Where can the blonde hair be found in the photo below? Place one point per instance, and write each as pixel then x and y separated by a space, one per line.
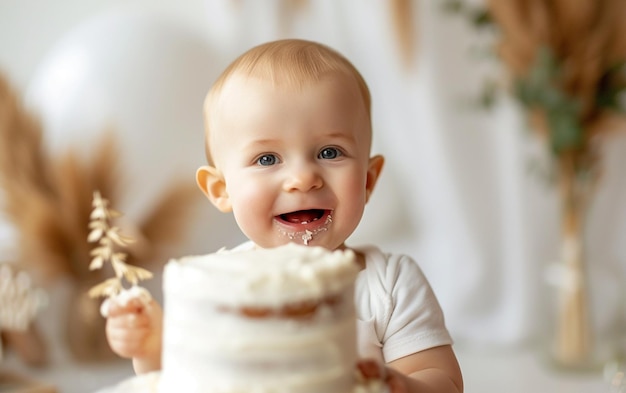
pixel 293 63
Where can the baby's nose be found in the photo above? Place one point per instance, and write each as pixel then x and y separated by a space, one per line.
pixel 303 178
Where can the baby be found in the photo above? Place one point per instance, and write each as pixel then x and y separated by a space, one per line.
pixel 288 138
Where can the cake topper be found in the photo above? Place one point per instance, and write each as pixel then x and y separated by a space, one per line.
pixel 110 240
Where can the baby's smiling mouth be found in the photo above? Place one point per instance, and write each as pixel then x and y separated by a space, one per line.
pixel 304 224
pixel 303 216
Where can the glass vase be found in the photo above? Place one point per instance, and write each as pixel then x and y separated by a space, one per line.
pixel 586 302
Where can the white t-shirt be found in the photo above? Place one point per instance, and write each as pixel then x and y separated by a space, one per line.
pixel 398 313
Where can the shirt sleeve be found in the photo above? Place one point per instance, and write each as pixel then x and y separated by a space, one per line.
pixel 409 318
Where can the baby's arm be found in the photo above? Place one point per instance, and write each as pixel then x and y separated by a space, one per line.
pixel 134 331
pixel 433 370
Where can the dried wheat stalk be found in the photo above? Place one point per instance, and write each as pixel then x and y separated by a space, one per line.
pixel 108 237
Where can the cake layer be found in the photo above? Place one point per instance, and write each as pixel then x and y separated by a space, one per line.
pixel 235 352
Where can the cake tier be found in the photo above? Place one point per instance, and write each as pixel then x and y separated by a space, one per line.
pixel 263 321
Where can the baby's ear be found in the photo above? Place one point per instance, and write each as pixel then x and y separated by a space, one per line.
pixel 373 172
pixel 212 183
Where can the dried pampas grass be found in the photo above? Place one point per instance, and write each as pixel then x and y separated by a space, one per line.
pixel 578 48
pixel 402 13
pixel 566 64
pixel 48 201
pixel 164 226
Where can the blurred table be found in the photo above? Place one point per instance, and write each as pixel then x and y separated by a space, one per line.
pixel 66 377
pixel 484 371
pixel 11 382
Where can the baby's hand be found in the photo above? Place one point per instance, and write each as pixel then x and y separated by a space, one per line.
pixel 133 330
pixel 372 370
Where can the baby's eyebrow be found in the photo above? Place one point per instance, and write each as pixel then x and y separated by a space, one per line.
pixel 340 135
pixel 259 143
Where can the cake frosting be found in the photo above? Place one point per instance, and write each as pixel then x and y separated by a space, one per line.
pixel 265 320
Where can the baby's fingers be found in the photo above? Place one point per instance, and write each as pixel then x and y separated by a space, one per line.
pixel 128 321
pixel 127 342
pixel 132 300
pixel 371 369
pixel 112 308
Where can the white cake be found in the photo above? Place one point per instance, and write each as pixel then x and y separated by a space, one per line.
pixel 273 320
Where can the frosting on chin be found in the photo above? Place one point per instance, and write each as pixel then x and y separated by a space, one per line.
pixel 306 235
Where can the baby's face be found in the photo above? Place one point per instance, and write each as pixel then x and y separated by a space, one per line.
pixel 295 162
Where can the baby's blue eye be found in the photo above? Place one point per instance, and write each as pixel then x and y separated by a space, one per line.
pixel 267 160
pixel 329 153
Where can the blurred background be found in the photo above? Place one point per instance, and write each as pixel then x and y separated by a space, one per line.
pixel 493 118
